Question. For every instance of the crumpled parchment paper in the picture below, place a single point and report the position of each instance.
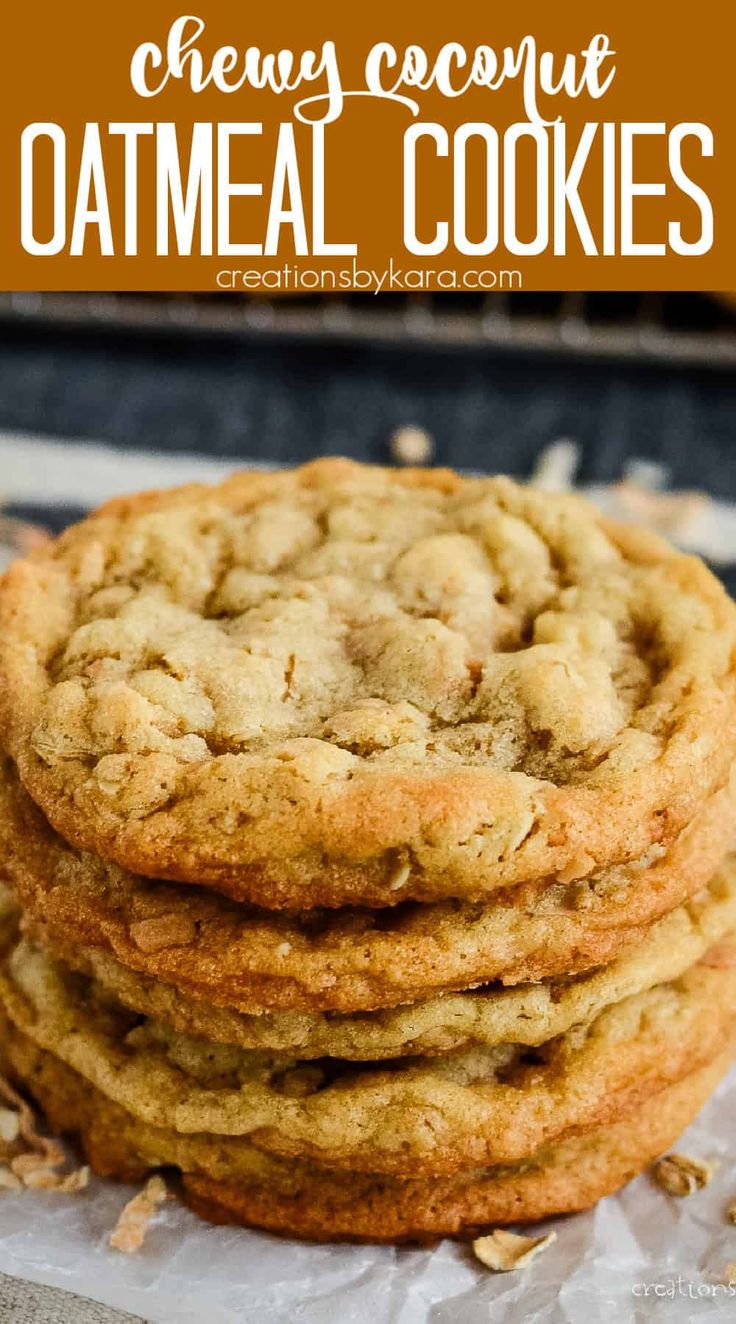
(639, 1256)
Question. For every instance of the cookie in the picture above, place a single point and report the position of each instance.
(428, 1116)
(232, 1181)
(344, 685)
(254, 962)
(566, 1178)
(491, 1015)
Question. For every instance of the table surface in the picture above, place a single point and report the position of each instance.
(29, 1303)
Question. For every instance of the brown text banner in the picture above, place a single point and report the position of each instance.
(287, 149)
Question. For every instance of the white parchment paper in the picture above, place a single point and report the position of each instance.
(639, 1256)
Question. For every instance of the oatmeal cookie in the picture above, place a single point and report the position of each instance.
(346, 685)
(252, 961)
(487, 1016)
(426, 1116)
(229, 1180)
(562, 1179)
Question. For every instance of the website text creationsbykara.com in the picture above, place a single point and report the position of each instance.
(291, 277)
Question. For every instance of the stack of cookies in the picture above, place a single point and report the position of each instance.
(367, 837)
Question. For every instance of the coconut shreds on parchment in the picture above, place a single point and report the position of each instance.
(28, 1158)
(130, 1229)
(34, 1161)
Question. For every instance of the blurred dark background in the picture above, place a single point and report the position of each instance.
(493, 379)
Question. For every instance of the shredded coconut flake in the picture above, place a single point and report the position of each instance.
(35, 1167)
(412, 445)
(680, 1175)
(556, 466)
(503, 1251)
(130, 1230)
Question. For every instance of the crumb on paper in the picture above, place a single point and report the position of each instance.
(680, 1175)
(33, 1167)
(31, 1160)
(37, 1172)
(76, 1180)
(130, 1230)
(731, 1212)
(412, 445)
(38, 1148)
(504, 1251)
(556, 466)
(729, 1274)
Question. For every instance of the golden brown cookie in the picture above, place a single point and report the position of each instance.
(343, 685)
(420, 1115)
(230, 956)
(565, 1178)
(487, 1016)
(231, 1181)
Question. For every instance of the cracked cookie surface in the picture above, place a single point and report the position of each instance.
(342, 685)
